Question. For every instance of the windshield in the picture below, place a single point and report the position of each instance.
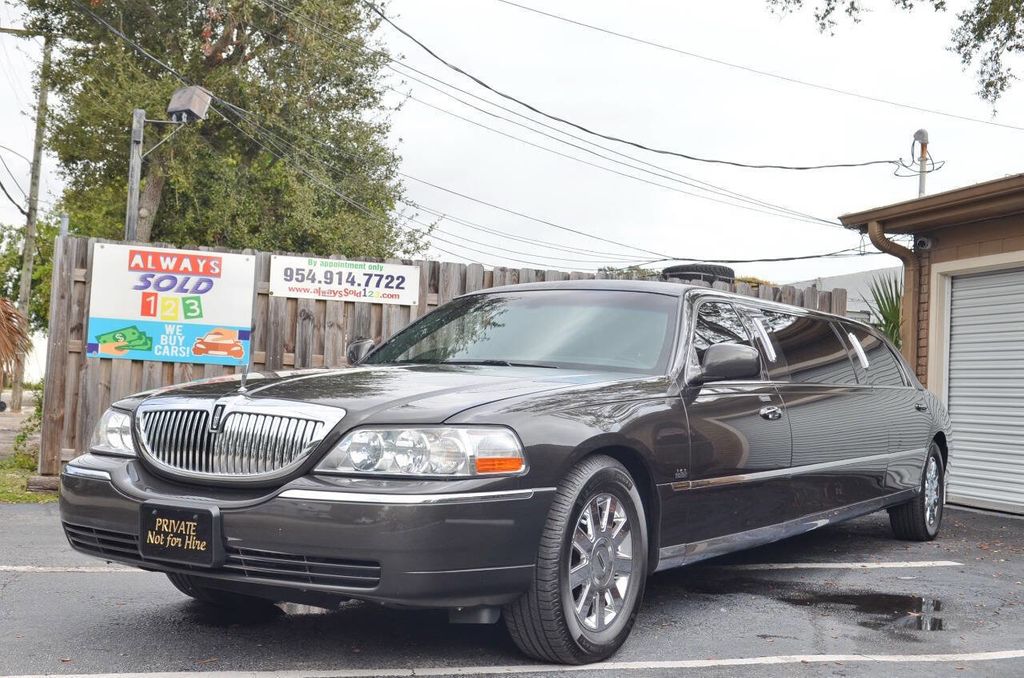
(588, 329)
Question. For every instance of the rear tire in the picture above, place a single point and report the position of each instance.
(590, 571)
(193, 588)
(921, 517)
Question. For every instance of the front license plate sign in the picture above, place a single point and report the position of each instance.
(180, 534)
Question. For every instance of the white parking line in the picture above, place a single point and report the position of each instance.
(534, 668)
(841, 566)
(51, 569)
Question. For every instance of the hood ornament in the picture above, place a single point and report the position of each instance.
(245, 375)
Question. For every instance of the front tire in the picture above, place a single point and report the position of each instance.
(590, 571)
(920, 518)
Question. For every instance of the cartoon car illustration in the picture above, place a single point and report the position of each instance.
(219, 341)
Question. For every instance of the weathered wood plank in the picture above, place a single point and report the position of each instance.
(276, 332)
(305, 332)
(825, 301)
(788, 295)
(120, 379)
(452, 282)
(810, 298)
(54, 402)
(474, 277)
(839, 301)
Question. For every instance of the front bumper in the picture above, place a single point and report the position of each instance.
(409, 543)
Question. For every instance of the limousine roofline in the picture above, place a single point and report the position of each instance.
(674, 289)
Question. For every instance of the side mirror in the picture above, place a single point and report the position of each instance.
(727, 362)
(358, 350)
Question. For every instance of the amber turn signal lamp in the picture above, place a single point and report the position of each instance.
(499, 464)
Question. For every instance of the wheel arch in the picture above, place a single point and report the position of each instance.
(639, 469)
(940, 439)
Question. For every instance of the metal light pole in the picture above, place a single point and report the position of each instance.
(29, 246)
(188, 104)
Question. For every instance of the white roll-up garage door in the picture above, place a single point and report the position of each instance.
(986, 390)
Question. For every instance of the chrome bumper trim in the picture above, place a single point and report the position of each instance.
(406, 499)
(82, 472)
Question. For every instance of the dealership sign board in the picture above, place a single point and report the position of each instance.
(343, 280)
(150, 303)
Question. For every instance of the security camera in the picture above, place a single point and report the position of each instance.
(923, 243)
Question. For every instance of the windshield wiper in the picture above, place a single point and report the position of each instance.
(495, 362)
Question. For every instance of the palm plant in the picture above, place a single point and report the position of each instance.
(14, 338)
(886, 305)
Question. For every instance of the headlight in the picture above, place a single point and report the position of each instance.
(427, 451)
(113, 434)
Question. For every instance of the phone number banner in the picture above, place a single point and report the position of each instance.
(150, 303)
(343, 280)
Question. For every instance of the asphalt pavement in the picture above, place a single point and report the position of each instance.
(847, 600)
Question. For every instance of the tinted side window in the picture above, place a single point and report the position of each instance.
(717, 323)
(808, 350)
(883, 369)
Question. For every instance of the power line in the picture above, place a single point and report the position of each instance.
(839, 253)
(610, 137)
(756, 71)
(13, 178)
(662, 172)
(812, 220)
(13, 201)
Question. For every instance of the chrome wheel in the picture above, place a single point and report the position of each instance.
(932, 498)
(600, 562)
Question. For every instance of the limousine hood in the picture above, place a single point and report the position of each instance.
(389, 394)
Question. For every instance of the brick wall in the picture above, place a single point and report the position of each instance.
(995, 236)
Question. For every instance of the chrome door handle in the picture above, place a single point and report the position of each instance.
(921, 407)
(771, 412)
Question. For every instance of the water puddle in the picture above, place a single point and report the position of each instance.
(886, 611)
(891, 612)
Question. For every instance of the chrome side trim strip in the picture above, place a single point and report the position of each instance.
(684, 554)
(342, 497)
(82, 472)
(789, 471)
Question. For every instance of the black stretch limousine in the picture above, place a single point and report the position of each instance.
(531, 452)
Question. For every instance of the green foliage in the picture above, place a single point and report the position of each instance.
(11, 239)
(314, 90)
(32, 425)
(987, 31)
(886, 305)
(13, 489)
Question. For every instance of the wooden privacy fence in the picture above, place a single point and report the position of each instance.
(286, 334)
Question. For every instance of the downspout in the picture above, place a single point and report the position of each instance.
(911, 289)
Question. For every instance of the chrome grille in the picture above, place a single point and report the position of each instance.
(247, 444)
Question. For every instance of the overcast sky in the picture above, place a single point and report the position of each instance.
(666, 100)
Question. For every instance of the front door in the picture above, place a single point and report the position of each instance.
(739, 439)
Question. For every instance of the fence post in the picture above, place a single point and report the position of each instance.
(61, 286)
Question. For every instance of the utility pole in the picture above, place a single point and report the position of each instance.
(921, 137)
(131, 217)
(29, 247)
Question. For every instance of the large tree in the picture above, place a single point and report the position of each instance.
(303, 166)
(987, 31)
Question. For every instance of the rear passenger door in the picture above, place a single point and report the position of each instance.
(739, 437)
(904, 407)
(839, 441)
